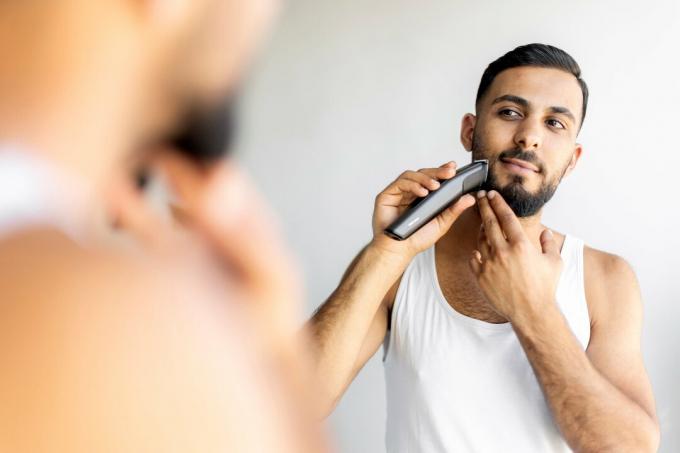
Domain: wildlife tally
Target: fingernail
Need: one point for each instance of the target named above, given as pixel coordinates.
(492, 194)
(550, 233)
(481, 194)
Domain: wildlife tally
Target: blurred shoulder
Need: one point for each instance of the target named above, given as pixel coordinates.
(44, 266)
(48, 257)
(143, 353)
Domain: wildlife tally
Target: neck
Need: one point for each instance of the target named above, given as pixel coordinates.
(462, 237)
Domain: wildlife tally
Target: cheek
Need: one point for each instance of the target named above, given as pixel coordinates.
(560, 143)
(556, 161)
(550, 177)
(496, 136)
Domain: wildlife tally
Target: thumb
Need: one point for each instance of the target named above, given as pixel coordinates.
(450, 214)
(548, 243)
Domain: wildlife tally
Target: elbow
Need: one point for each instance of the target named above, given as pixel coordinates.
(329, 388)
(647, 441)
(325, 404)
(652, 438)
(326, 395)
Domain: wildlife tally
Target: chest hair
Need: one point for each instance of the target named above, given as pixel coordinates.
(461, 290)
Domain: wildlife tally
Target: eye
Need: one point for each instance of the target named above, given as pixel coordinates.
(509, 113)
(556, 124)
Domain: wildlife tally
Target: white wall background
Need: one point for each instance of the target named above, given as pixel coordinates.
(350, 93)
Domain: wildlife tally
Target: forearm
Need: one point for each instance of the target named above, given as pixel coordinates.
(592, 414)
(340, 325)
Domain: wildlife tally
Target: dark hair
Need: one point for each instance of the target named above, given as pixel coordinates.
(540, 55)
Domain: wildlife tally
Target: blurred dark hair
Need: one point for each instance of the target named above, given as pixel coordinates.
(539, 55)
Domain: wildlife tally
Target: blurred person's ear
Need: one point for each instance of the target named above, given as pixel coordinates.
(207, 43)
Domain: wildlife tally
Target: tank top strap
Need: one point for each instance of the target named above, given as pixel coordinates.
(571, 296)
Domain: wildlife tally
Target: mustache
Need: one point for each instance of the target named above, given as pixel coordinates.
(527, 156)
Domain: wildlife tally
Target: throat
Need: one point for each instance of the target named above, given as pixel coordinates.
(459, 287)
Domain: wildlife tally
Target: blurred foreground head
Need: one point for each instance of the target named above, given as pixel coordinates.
(90, 82)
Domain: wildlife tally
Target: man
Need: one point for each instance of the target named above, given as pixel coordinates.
(500, 334)
(188, 345)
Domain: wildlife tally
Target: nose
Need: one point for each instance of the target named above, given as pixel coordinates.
(528, 136)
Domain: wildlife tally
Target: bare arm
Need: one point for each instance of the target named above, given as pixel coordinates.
(601, 399)
(350, 326)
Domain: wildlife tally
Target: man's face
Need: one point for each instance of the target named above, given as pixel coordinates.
(526, 127)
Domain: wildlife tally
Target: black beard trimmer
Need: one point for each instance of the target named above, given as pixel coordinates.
(467, 179)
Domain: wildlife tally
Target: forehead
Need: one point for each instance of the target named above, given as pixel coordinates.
(542, 87)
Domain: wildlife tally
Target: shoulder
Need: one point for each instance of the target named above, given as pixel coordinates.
(48, 257)
(607, 269)
(57, 293)
(611, 286)
(143, 335)
(46, 269)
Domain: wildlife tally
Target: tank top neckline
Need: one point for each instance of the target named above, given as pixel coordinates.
(500, 328)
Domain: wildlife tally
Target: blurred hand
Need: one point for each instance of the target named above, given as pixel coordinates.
(222, 206)
(218, 210)
(395, 199)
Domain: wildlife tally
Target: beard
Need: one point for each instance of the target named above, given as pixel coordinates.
(522, 202)
(205, 133)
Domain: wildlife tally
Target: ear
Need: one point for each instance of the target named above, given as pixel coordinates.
(467, 130)
(576, 155)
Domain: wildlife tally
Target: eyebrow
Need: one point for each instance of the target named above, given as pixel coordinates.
(524, 103)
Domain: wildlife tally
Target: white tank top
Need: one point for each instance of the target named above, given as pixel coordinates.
(458, 384)
(35, 192)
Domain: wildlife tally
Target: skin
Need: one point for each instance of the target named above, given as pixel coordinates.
(187, 342)
(498, 268)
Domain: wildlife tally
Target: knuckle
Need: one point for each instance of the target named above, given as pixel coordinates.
(502, 258)
(526, 243)
(520, 246)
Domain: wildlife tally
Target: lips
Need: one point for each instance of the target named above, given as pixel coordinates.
(521, 163)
